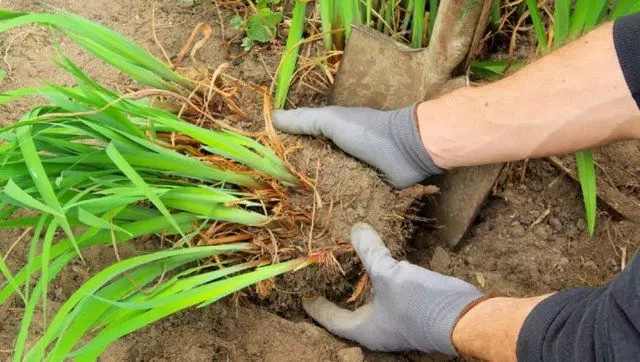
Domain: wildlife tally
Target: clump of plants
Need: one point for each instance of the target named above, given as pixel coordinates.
(410, 21)
(104, 168)
(94, 167)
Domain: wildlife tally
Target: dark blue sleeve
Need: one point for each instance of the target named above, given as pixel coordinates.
(626, 37)
(586, 324)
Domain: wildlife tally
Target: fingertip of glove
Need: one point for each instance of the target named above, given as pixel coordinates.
(360, 226)
(316, 306)
(364, 233)
(371, 250)
(280, 116)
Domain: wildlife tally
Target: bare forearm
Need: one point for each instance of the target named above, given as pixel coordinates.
(582, 324)
(573, 99)
(490, 330)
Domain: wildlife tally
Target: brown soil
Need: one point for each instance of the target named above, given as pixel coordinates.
(529, 238)
(349, 192)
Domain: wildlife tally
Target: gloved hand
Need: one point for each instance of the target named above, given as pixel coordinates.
(387, 140)
(412, 308)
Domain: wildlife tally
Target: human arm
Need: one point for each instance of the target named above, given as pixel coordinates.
(417, 309)
(578, 97)
(490, 330)
(582, 324)
(573, 99)
(578, 324)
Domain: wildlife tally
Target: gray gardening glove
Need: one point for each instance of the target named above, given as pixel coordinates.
(412, 308)
(387, 140)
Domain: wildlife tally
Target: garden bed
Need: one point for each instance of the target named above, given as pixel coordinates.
(529, 238)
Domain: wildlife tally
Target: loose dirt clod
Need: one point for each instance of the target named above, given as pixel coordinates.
(353, 354)
(440, 261)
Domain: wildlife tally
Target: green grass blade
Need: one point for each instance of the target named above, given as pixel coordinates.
(30, 308)
(119, 44)
(140, 295)
(172, 293)
(388, 17)
(358, 16)
(274, 161)
(8, 211)
(494, 70)
(89, 219)
(41, 180)
(15, 94)
(348, 12)
(27, 271)
(382, 10)
(217, 211)
(496, 13)
(538, 25)
(579, 16)
(561, 20)
(15, 192)
(44, 271)
(107, 203)
(8, 15)
(114, 44)
(20, 222)
(408, 12)
(92, 309)
(179, 165)
(417, 25)
(593, 15)
(81, 77)
(66, 314)
(290, 55)
(587, 176)
(136, 72)
(92, 237)
(325, 8)
(203, 193)
(227, 144)
(622, 8)
(135, 178)
(137, 213)
(69, 178)
(10, 280)
(433, 14)
(203, 294)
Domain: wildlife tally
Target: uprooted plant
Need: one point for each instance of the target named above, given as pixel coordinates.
(106, 168)
(123, 166)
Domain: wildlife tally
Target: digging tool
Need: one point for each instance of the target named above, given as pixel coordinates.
(381, 73)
